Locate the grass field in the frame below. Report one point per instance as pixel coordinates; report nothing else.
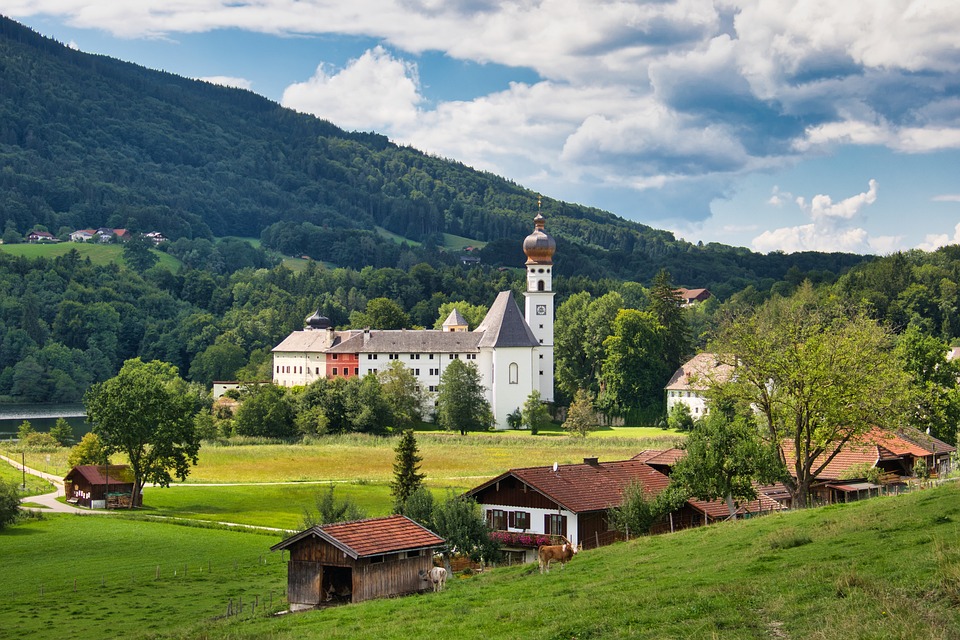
(99, 254)
(96, 576)
(882, 568)
(273, 505)
(35, 485)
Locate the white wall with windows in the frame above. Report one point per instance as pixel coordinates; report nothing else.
(497, 514)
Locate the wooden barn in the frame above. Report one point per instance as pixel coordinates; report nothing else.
(100, 486)
(357, 561)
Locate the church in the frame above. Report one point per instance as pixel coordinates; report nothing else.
(513, 351)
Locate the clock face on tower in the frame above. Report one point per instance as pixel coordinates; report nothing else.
(541, 309)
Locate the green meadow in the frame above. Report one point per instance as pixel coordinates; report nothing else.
(882, 568)
(34, 485)
(97, 576)
(99, 254)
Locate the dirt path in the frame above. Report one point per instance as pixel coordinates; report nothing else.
(48, 500)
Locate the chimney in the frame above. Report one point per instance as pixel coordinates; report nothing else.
(593, 462)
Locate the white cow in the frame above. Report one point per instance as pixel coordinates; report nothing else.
(436, 576)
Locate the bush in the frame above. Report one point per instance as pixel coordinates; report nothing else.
(9, 503)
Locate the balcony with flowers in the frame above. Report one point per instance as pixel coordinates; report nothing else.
(525, 539)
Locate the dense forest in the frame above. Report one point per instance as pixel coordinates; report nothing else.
(89, 141)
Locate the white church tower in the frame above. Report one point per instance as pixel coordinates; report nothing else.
(539, 248)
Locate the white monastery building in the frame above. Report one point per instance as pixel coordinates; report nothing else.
(513, 351)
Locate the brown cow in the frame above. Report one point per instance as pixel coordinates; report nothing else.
(559, 552)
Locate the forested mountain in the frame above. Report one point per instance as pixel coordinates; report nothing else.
(89, 141)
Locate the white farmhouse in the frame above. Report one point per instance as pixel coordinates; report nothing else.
(513, 351)
(692, 379)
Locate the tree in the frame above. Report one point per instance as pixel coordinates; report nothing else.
(818, 374)
(9, 503)
(461, 402)
(62, 432)
(403, 394)
(381, 313)
(534, 413)
(581, 418)
(632, 374)
(419, 507)
(459, 520)
(266, 412)
(219, 361)
(666, 304)
(680, 417)
(88, 451)
(329, 509)
(138, 253)
(146, 412)
(406, 470)
(934, 404)
(25, 430)
(724, 458)
(636, 512)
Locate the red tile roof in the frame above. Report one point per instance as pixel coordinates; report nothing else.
(371, 537)
(594, 487)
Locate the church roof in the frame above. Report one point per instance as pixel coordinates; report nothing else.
(313, 341)
(504, 326)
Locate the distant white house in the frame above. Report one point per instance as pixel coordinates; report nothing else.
(692, 379)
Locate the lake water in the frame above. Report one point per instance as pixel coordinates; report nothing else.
(42, 417)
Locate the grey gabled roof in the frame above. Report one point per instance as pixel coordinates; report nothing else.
(455, 320)
(403, 341)
(504, 326)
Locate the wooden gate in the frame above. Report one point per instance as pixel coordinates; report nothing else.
(303, 582)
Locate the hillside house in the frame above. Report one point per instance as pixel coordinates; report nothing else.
(82, 235)
(527, 506)
(100, 486)
(690, 297)
(357, 561)
(688, 383)
(40, 237)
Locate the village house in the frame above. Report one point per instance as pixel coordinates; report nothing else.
(39, 237)
(513, 350)
(531, 506)
(82, 235)
(100, 486)
(690, 297)
(691, 380)
(357, 561)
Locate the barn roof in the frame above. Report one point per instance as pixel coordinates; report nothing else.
(97, 474)
(371, 537)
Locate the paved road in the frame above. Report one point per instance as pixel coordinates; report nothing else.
(48, 500)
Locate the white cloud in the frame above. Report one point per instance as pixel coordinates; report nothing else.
(934, 241)
(947, 197)
(228, 81)
(830, 229)
(375, 91)
(779, 198)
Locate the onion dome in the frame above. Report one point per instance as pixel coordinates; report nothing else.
(539, 245)
(317, 321)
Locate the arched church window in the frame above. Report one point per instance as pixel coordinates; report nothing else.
(514, 373)
(540, 285)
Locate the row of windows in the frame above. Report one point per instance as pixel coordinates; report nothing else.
(679, 394)
(500, 520)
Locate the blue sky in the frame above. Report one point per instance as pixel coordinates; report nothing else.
(773, 124)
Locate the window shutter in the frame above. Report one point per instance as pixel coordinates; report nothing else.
(563, 526)
(546, 523)
(511, 519)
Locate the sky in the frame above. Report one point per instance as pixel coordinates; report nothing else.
(779, 125)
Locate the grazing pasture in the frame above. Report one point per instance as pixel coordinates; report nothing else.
(109, 577)
(35, 485)
(881, 568)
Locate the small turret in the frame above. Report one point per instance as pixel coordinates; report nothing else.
(316, 322)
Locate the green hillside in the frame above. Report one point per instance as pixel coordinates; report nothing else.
(88, 141)
(99, 254)
(882, 568)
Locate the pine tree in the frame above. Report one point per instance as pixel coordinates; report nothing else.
(406, 471)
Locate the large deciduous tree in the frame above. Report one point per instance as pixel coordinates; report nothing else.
(461, 401)
(725, 458)
(265, 411)
(935, 393)
(818, 375)
(403, 394)
(633, 374)
(146, 412)
(666, 304)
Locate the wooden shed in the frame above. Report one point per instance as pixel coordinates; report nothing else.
(357, 561)
(100, 486)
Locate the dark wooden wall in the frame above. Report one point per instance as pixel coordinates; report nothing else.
(510, 491)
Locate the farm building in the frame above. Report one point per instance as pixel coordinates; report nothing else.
(357, 561)
(99, 486)
(540, 505)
